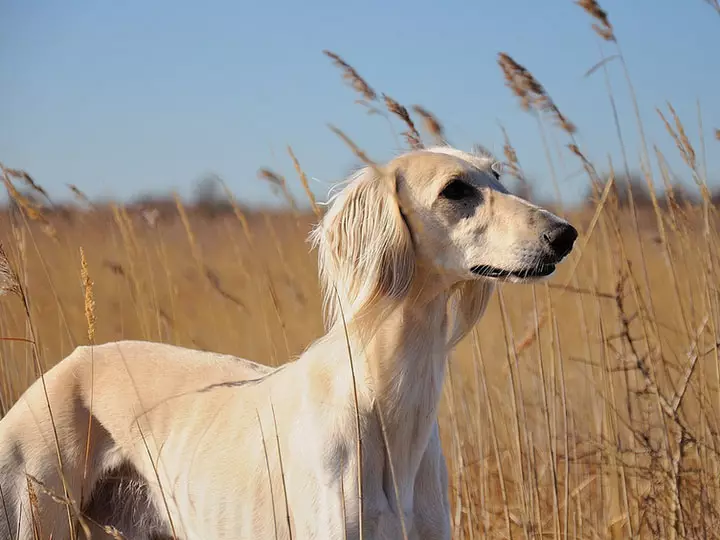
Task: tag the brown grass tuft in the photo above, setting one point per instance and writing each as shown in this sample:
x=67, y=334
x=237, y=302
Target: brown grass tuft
x=531, y=93
x=79, y=195
x=510, y=154
x=351, y=76
x=27, y=179
x=431, y=123
x=680, y=137
x=305, y=183
x=411, y=135
x=278, y=182
x=9, y=282
x=354, y=147
x=89, y=296
x=30, y=209
x=603, y=27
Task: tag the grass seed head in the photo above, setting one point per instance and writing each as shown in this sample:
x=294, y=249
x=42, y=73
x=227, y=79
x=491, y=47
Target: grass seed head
x=9, y=282
x=531, y=93
x=89, y=296
x=351, y=75
x=602, y=26
x=431, y=123
x=412, y=136
x=278, y=183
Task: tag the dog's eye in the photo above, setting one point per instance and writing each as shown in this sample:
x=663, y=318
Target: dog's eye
x=456, y=190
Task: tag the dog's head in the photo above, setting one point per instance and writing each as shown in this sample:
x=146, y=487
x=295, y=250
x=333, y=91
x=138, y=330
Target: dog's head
x=440, y=214
x=465, y=224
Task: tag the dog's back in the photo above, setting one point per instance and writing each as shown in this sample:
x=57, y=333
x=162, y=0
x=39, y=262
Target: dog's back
x=117, y=382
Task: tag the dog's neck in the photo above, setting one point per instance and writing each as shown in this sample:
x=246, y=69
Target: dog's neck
x=402, y=373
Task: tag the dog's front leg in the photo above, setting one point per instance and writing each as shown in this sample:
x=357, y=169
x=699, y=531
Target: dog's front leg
x=431, y=509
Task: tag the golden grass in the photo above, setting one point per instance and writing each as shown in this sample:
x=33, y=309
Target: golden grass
x=600, y=417
x=586, y=407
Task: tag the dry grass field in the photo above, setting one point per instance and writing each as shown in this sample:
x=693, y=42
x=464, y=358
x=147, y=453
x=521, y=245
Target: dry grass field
x=584, y=407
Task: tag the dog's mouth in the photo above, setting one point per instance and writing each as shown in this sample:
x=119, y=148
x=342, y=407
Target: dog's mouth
x=534, y=272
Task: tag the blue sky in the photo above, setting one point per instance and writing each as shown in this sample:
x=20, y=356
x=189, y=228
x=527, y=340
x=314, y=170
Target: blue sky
x=130, y=97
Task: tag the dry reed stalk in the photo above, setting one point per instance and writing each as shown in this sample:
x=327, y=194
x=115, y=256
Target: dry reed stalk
x=5, y=511
x=530, y=335
x=25, y=177
x=605, y=30
x=269, y=472
x=689, y=157
x=431, y=123
x=282, y=472
x=460, y=487
x=519, y=415
x=113, y=532
x=34, y=509
x=412, y=136
x=157, y=477
x=305, y=183
x=351, y=76
x=368, y=95
x=480, y=439
x=602, y=26
x=240, y=215
x=271, y=289
x=15, y=286
x=401, y=515
x=546, y=415
x=195, y=249
x=80, y=196
x=9, y=281
x=89, y=297
x=647, y=169
x=532, y=94
x=555, y=349
x=188, y=230
x=358, y=428
x=511, y=156
x=90, y=318
x=355, y=148
x=129, y=243
x=152, y=300
x=480, y=365
x=28, y=207
x=680, y=137
x=277, y=181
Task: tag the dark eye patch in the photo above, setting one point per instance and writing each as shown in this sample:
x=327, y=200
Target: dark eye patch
x=457, y=190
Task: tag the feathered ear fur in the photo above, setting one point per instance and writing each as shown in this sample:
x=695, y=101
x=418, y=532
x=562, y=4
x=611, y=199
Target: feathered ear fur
x=365, y=251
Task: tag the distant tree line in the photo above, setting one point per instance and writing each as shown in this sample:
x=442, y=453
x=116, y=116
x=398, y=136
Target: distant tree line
x=209, y=198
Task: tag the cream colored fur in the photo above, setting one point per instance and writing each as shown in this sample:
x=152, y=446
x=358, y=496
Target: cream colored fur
x=208, y=446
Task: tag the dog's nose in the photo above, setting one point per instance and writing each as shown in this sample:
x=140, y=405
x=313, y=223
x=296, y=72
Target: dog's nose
x=561, y=239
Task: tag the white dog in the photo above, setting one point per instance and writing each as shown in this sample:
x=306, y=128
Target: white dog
x=160, y=441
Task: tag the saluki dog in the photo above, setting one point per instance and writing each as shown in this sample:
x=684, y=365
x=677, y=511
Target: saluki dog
x=159, y=441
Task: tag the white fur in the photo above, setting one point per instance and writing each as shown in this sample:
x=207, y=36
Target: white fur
x=212, y=446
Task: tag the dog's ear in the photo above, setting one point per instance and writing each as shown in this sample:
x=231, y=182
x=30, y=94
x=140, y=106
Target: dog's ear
x=365, y=250
x=467, y=304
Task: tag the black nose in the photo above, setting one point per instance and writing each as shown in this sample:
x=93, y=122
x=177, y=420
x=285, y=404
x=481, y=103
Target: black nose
x=561, y=239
